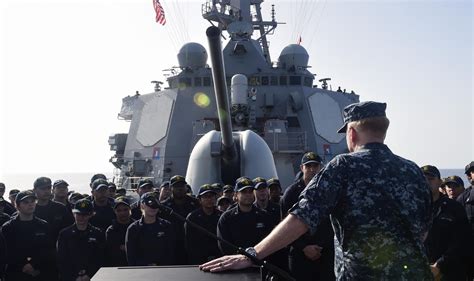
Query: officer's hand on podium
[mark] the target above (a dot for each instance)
(233, 262)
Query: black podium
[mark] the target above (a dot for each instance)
(172, 273)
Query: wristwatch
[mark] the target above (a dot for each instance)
(251, 251)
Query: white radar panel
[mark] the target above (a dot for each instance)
(154, 120)
(327, 117)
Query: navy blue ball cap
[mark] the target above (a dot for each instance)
(149, 199)
(121, 200)
(206, 188)
(223, 199)
(227, 188)
(217, 186)
(74, 197)
(362, 110)
(273, 182)
(98, 176)
(453, 179)
(310, 157)
(165, 184)
(13, 192)
(178, 180)
(431, 170)
(469, 167)
(42, 182)
(23, 195)
(100, 183)
(145, 183)
(259, 182)
(84, 207)
(60, 183)
(243, 183)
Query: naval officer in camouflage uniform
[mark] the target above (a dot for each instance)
(379, 203)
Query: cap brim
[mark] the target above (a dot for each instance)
(244, 187)
(121, 203)
(101, 186)
(145, 185)
(450, 181)
(26, 197)
(343, 129)
(261, 185)
(76, 211)
(207, 191)
(430, 174)
(311, 161)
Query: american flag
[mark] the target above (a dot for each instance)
(160, 13)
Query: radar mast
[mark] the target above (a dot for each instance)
(240, 20)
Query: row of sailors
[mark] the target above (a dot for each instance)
(159, 239)
(95, 233)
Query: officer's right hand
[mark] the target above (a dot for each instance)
(312, 252)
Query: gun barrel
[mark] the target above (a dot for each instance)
(220, 88)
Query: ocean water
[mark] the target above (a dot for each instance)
(79, 182)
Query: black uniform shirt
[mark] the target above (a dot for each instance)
(80, 250)
(3, 218)
(150, 244)
(115, 244)
(136, 211)
(447, 238)
(28, 242)
(467, 201)
(8, 208)
(199, 246)
(243, 229)
(103, 217)
(190, 204)
(57, 216)
(290, 196)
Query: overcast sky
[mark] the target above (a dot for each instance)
(66, 64)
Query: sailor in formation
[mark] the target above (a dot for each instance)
(199, 246)
(381, 207)
(150, 240)
(81, 246)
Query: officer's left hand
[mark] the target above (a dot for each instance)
(225, 263)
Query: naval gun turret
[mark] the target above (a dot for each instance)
(223, 156)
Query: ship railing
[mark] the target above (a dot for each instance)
(286, 142)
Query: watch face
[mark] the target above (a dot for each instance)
(251, 251)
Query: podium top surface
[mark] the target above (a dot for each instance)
(172, 273)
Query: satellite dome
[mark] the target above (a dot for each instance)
(192, 55)
(293, 55)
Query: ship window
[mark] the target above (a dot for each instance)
(273, 80)
(295, 80)
(206, 81)
(185, 82)
(308, 82)
(254, 81)
(283, 81)
(265, 81)
(197, 81)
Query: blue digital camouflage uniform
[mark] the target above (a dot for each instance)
(380, 207)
